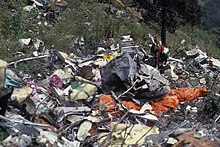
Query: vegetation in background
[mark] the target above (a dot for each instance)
(89, 19)
(169, 15)
(211, 18)
(207, 40)
(212, 100)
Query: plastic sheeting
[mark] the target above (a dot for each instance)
(118, 71)
(131, 105)
(175, 96)
(106, 103)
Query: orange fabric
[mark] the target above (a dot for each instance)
(175, 96)
(170, 101)
(108, 102)
(184, 94)
(157, 107)
(131, 105)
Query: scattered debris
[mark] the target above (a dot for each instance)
(115, 97)
(193, 139)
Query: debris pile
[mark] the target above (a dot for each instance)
(114, 97)
(119, 96)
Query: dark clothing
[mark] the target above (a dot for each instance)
(154, 50)
(4, 100)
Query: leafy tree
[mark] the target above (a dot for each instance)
(170, 14)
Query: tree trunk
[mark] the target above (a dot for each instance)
(163, 24)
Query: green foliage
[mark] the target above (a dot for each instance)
(3, 134)
(88, 19)
(10, 27)
(178, 12)
(11, 20)
(212, 100)
(208, 40)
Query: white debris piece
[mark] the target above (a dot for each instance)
(38, 43)
(214, 62)
(202, 81)
(154, 73)
(83, 131)
(127, 38)
(195, 52)
(37, 3)
(170, 73)
(25, 41)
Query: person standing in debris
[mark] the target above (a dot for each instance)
(154, 50)
(157, 51)
(160, 49)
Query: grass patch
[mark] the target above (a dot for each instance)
(89, 19)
